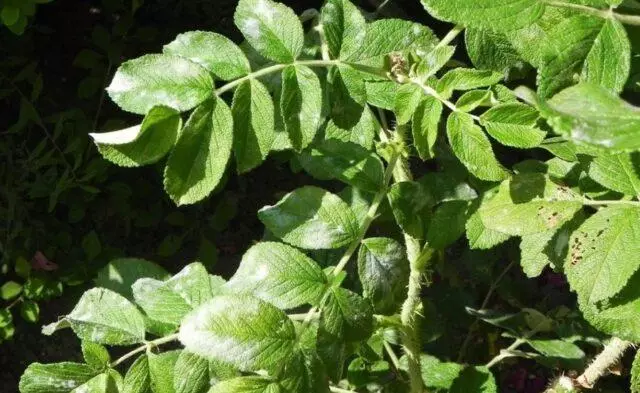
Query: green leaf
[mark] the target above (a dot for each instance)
(300, 104)
(474, 99)
(447, 224)
(433, 61)
(481, 237)
(271, 28)
(528, 203)
(609, 60)
(435, 373)
(601, 259)
(161, 371)
(253, 120)
(215, 52)
(348, 95)
(591, 115)
(95, 355)
(138, 379)
(424, 126)
(382, 94)
(557, 349)
(169, 301)
(30, 311)
(467, 79)
(547, 248)
(311, 218)
(386, 36)
(619, 315)
(120, 274)
(54, 377)
(635, 374)
(280, 275)
(103, 383)
(489, 50)
(347, 315)
(410, 203)
(513, 125)
(22, 267)
(344, 28)
(408, 97)
(91, 245)
(240, 330)
(153, 80)
(475, 379)
(104, 317)
(383, 270)
(363, 133)
(191, 374)
(247, 385)
(10, 290)
(582, 43)
(472, 147)
(143, 144)
(348, 162)
(500, 15)
(199, 159)
(618, 172)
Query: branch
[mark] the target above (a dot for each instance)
(147, 345)
(605, 14)
(609, 356)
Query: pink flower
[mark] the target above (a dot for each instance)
(40, 262)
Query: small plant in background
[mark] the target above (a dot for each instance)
(15, 14)
(363, 288)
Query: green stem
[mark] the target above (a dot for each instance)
(364, 227)
(339, 390)
(485, 302)
(505, 353)
(392, 355)
(432, 92)
(272, 69)
(371, 214)
(605, 14)
(451, 35)
(146, 346)
(589, 202)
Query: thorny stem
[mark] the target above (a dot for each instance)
(605, 14)
(417, 262)
(609, 356)
(485, 302)
(146, 346)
